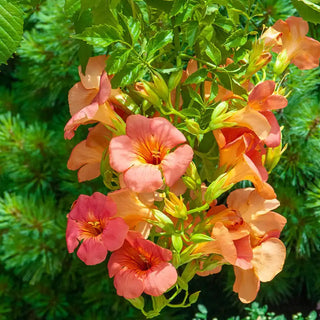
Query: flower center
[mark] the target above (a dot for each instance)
(91, 229)
(150, 151)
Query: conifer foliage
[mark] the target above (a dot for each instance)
(208, 51)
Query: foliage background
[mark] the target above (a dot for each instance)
(38, 278)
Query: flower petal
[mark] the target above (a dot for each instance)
(160, 279)
(94, 69)
(114, 234)
(121, 152)
(80, 97)
(128, 284)
(268, 259)
(246, 284)
(143, 178)
(72, 234)
(175, 164)
(92, 251)
(262, 91)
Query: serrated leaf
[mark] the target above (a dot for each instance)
(191, 32)
(101, 35)
(127, 75)
(191, 112)
(117, 59)
(71, 7)
(213, 52)
(135, 29)
(199, 76)
(11, 29)
(195, 96)
(160, 40)
(177, 7)
(237, 39)
(229, 83)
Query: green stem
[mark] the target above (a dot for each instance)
(198, 209)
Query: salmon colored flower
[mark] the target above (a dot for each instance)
(134, 208)
(141, 266)
(91, 223)
(263, 99)
(92, 99)
(145, 153)
(268, 259)
(94, 87)
(296, 47)
(86, 156)
(246, 235)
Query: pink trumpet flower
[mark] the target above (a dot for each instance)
(141, 266)
(91, 222)
(146, 153)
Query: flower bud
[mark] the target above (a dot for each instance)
(193, 127)
(192, 172)
(273, 156)
(146, 91)
(160, 87)
(174, 79)
(175, 206)
(281, 63)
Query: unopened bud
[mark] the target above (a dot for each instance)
(273, 156)
(175, 206)
(219, 110)
(281, 63)
(192, 172)
(193, 127)
(160, 87)
(149, 94)
(174, 79)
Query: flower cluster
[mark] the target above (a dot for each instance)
(165, 166)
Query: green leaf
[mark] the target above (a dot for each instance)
(213, 52)
(85, 52)
(11, 29)
(117, 59)
(101, 35)
(195, 96)
(177, 7)
(308, 10)
(229, 83)
(160, 40)
(127, 75)
(163, 5)
(191, 112)
(71, 7)
(237, 39)
(191, 32)
(199, 76)
(135, 29)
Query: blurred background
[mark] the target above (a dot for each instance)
(39, 279)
